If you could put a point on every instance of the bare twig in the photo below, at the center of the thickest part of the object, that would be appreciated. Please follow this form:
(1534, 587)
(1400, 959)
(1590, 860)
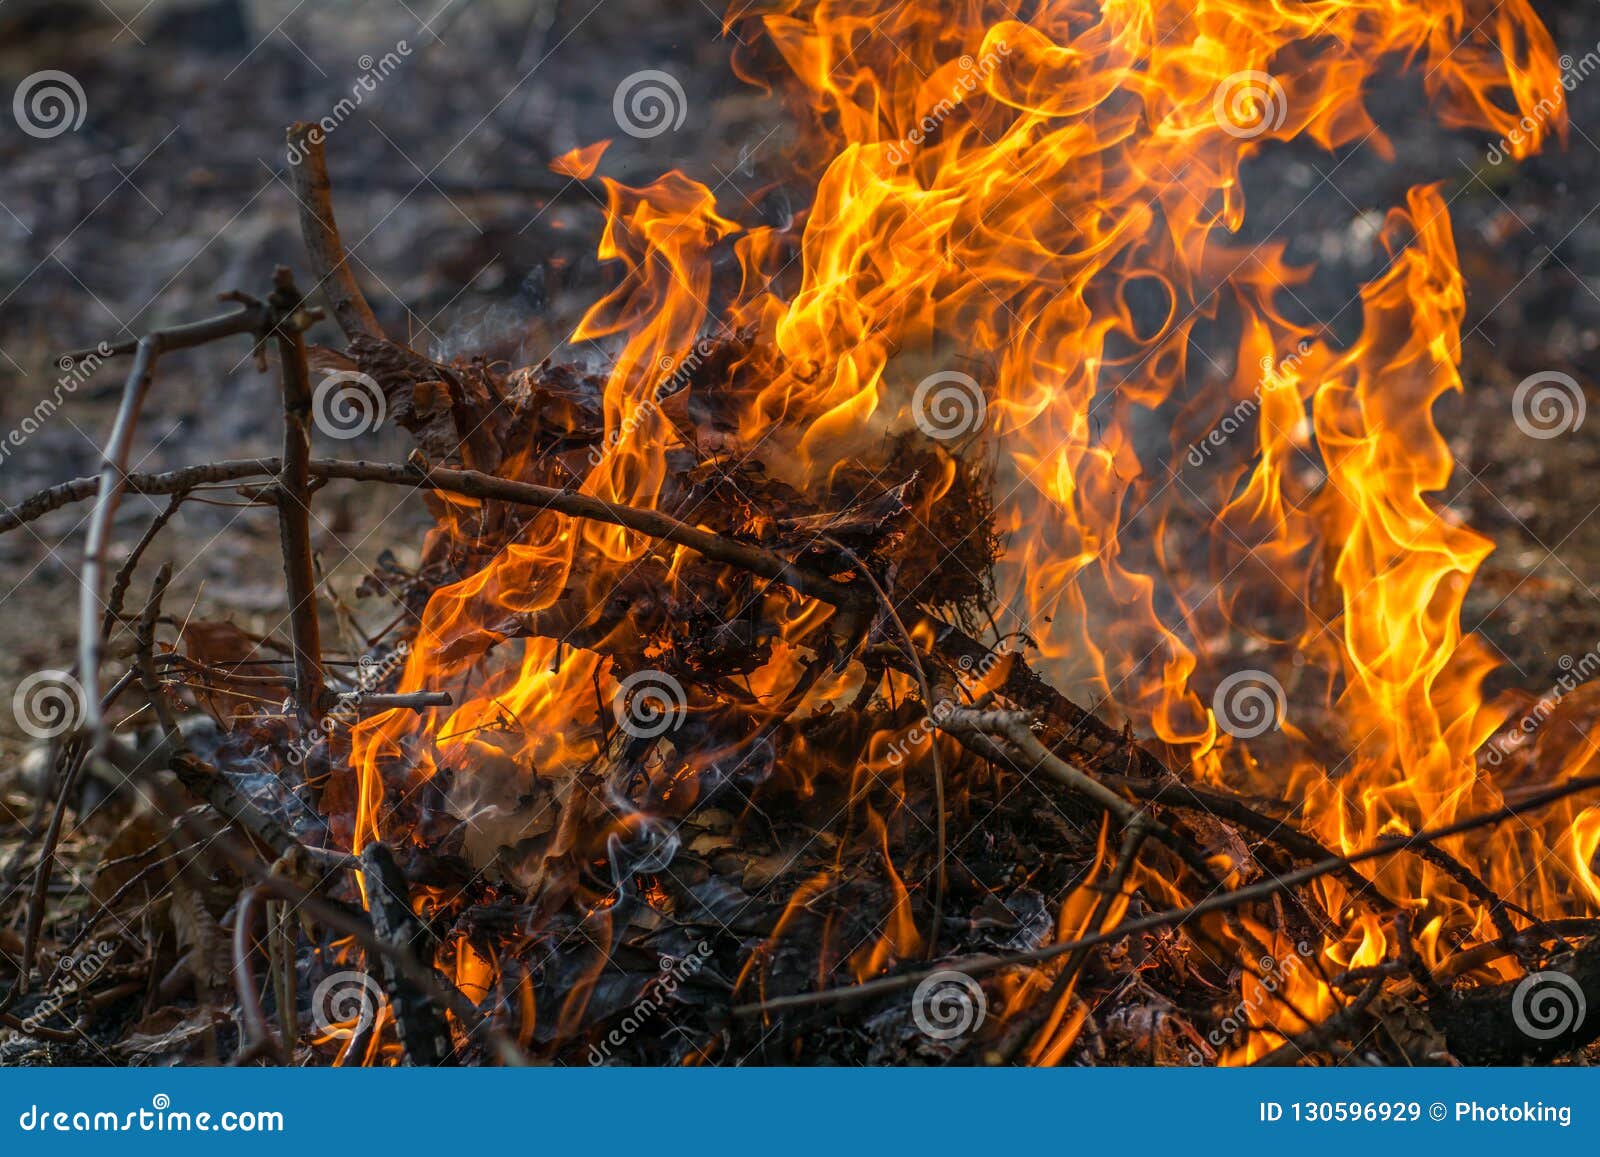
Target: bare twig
(403, 701)
(255, 317)
(293, 498)
(940, 834)
(1221, 902)
(198, 777)
(652, 523)
(347, 921)
(1015, 728)
(76, 759)
(474, 484)
(124, 577)
(41, 503)
(244, 976)
(1321, 1036)
(1133, 839)
(329, 261)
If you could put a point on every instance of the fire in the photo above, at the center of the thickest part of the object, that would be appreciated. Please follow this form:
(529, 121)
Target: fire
(1024, 242)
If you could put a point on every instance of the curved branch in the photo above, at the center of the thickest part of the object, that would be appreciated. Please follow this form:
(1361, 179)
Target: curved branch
(474, 484)
(329, 262)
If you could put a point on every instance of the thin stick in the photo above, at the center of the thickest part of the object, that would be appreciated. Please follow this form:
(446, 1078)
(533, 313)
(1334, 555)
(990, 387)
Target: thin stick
(1320, 1036)
(99, 532)
(404, 701)
(1222, 902)
(145, 648)
(253, 318)
(280, 927)
(329, 261)
(76, 759)
(293, 499)
(1014, 728)
(146, 351)
(52, 498)
(938, 760)
(199, 777)
(653, 523)
(244, 979)
(355, 924)
(474, 484)
(1133, 839)
(120, 584)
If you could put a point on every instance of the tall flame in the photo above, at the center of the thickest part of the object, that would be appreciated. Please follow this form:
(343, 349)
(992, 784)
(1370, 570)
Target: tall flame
(1043, 212)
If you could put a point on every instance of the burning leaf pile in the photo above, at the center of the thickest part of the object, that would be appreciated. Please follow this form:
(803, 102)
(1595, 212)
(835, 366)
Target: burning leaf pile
(972, 621)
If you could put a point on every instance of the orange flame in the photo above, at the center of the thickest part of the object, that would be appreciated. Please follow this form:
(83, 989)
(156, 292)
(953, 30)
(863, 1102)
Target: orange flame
(1024, 232)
